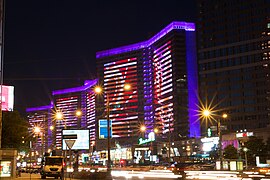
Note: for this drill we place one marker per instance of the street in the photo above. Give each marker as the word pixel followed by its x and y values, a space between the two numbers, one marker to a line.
pixel 27 176
pixel 117 175
pixel 135 175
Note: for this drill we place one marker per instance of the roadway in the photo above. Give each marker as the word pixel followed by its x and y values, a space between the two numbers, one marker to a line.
pixel 167 175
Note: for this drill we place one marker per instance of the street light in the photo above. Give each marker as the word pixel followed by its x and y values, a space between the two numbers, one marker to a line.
pixel 38 131
pixel 98 90
pixel 143 129
pixel 78 115
pixel 245 150
pixel 153 135
pixel 206 113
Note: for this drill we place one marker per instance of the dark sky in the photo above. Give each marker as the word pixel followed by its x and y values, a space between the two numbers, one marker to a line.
pixel 51 44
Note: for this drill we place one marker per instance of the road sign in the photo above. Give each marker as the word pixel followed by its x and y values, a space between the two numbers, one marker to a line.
pixel 103 128
pixel 70 143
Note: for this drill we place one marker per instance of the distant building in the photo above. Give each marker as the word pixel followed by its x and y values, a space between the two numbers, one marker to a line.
pixel 67 102
pixel 162 72
pixel 40 117
pixel 233 56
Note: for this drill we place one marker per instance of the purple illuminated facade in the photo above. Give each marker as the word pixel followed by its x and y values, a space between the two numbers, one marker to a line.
pixel 163 74
pixel 68 101
pixel 40 117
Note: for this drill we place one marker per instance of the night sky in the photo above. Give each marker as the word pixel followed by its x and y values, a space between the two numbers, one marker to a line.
pixel 51 44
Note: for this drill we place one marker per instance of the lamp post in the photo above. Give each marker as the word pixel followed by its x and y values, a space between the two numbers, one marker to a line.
pixel 78 115
pixel 38 131
pixel 155 131
pixel 59 116
pixel 143 129
pixel 245 151
pixel 98 90
pixel 206 113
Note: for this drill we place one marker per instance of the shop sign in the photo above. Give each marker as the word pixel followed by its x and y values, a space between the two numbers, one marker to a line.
pixel 151 138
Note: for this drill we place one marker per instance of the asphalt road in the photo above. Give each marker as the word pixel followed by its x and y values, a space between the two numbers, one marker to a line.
pixel 27 176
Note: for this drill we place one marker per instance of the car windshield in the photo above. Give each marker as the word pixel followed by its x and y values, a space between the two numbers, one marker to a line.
pixel 53 161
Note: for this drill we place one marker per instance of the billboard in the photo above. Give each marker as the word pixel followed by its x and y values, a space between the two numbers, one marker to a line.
pixel 7 98
pixel 209 144
pixel 81 141
pixel 103 128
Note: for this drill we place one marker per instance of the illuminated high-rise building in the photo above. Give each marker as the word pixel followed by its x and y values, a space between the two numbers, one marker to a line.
pixel 162 72
pixel 233 56
pixel 40 117
pixel 68 102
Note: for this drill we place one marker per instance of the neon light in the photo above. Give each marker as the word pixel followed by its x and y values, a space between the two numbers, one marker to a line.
pixel 40 108
pixel 87 85
pixel 121 65
pixel 192 77
pixel 151 138
pixel 174 25
pixel 157 63
pixel 120 61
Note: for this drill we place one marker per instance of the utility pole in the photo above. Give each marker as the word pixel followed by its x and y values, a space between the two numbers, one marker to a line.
pixel 220 145
pixel 2 18
pixel 108 138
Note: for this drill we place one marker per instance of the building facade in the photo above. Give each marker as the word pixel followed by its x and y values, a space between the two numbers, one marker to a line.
pixel 67 102
pixel 233 56
pixel 162 72
pixel 40 117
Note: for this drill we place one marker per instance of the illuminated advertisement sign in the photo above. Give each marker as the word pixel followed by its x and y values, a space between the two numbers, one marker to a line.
pixel 103 129
pixel 5 170
pixel 244 134
pixel 209 143
pixel 7 98
pixel 151 138
pixel 82 141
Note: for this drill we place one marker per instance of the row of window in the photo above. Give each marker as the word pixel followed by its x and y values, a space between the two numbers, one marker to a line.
pixel 229 51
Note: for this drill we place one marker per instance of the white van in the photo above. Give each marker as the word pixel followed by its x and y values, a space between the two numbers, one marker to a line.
pixel 52 166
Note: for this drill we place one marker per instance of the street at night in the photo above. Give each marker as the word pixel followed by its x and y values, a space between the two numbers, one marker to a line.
pixel 135 89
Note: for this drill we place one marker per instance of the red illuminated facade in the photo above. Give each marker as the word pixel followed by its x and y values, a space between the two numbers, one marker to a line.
pixel 162 72
pixel 68 101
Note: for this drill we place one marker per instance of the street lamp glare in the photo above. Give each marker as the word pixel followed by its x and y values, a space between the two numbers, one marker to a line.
pixel 51 128
pixel 37 129
pixel 143 128
pixel 59 115
pixel 155 130
pixel 78 113
pixel 206 113
pixel 98 89
pixel 224 115
pixel 127 87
